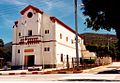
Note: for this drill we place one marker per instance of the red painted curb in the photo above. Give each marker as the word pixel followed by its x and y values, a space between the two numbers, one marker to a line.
pixel 34 72
pixel 77 71
pixel 62 72
pixel 22 73
pixel 11 73
pixel 47 72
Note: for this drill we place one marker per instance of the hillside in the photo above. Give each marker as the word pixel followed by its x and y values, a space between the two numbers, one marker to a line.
pixel 5 52
pixel 99 39
pixel 8 47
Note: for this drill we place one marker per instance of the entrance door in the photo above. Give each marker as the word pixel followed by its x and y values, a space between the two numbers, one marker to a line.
pixel 29 60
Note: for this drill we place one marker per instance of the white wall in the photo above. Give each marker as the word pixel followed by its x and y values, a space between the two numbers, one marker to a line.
pixel 25 24
pixel 62 46
pixel 38 28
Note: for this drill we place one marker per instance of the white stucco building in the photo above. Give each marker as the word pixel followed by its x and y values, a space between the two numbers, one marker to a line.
pixel 40 39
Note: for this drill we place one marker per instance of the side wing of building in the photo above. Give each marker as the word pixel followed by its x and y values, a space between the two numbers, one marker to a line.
pixel 65 43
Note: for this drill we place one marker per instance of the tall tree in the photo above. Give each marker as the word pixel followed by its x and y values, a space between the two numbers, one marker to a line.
pixel 1 43
pixel 103 14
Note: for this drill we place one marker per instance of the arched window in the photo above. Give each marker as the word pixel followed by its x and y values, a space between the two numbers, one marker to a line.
pixel 60 35
pixel 66 39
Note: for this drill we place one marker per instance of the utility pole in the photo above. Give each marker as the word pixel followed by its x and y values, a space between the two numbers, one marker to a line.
pixel 76 28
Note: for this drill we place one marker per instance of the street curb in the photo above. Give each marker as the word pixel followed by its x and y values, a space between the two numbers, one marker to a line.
pixel 47 71
pixel 30 72
pixel 39 72
pixel 22 73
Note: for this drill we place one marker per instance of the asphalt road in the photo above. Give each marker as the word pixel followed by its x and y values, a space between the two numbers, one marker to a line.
pixel 62 77
pixel 101 75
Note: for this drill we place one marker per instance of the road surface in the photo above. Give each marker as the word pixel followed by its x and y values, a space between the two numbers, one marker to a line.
pixel 98 75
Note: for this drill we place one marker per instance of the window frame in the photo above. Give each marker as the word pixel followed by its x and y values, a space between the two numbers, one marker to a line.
pixel 47 31
pixel 72 41
pixel 18 51
pixel 61 57
pixel 19 34
pixel 30 14
pixel 30 33
pixel 60 35
pixel 66 39
pixel 46 49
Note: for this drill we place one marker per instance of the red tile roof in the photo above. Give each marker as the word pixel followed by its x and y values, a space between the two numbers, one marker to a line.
pixel 32 7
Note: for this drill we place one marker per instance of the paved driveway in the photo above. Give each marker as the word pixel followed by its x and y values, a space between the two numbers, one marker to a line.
pixel 113 68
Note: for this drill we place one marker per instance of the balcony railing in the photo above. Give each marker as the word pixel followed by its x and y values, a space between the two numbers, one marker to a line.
pixel 30 39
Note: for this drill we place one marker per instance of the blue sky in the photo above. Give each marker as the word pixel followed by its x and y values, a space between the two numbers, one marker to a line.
pixel 62 9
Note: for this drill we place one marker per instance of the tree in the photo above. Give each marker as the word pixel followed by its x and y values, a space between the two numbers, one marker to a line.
pixel 5 51
pixel 1 48
pixel 103 14
pixel 1 43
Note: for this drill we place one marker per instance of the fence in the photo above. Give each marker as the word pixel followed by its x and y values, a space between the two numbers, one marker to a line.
pixel 89 63
pixel 103 60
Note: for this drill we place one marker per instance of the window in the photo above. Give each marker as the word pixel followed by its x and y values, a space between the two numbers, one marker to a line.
pixel 61 57
pixel 66 39
pixel 72 41
pixel 47 49
pixel 19 34
pixel 60 36
pixel 29 15
pixel 78 40
pixel 46 31
pixel 29 32
pixel 19 51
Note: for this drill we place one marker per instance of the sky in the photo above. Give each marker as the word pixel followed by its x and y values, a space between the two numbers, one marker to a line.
pixel 62 9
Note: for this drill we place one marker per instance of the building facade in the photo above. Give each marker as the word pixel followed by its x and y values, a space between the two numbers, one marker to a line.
pixel 40 39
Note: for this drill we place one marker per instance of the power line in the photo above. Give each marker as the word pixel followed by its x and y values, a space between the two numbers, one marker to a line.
pixel 10 10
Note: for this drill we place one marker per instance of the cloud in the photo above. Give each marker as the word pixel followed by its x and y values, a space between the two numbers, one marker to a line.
pixel 7 23
pixel 59 8
pixel 13 2
pixel 49 5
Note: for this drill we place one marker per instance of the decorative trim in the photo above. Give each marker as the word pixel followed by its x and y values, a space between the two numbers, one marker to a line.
pixel 31 36
pixel 33 42
pixel 29 50
pixel 66 45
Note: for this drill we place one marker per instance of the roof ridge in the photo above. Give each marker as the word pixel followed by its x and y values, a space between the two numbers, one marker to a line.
pixel 34 8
